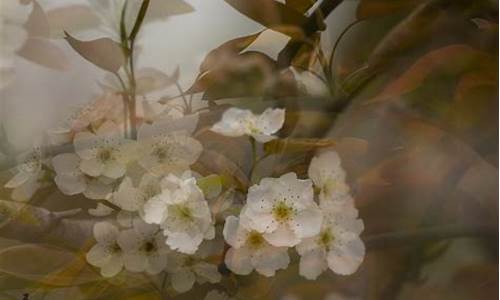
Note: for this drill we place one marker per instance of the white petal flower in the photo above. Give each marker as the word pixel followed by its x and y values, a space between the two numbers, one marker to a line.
pixel 185 270
pixel 105 153
pixel 168 146
pixel 182 213
pixel 29 176
pixel 328 176
pixel 238 122
pixel 337 246
pixel 250 250
pixel 107 254
pixel 71 180
pixel 283 210
pixel 144 248
pixel 132 198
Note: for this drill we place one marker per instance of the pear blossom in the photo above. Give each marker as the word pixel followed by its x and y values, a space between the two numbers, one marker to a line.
pixel 29 176
pixel 182 212
pixel 250 250
pixel 168 146
pixel 328 177
pixel 337 246
pixel 237 122
pixel 144 248
pixel 105 153
pixel 107 254
pixel 131 198
pixel 71 180
pixel 282 209
pixel 185 270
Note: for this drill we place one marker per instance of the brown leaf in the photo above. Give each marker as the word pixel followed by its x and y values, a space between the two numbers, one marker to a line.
pixel 228 49
pixel 104 52
pixel 45 53
pixel 449 59
pixel 296 145
pixel 270 13
pixel 300 5
pixel 378 8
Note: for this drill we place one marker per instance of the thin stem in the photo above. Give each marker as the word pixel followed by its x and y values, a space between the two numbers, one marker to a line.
pixel 125 103
pixel 187 104
pixel 336 45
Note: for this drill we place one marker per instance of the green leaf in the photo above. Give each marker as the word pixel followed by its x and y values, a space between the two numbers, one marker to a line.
pixel 211 185
pixel 272 14
pixel 292 145
pixel 104 52
pixel 46 265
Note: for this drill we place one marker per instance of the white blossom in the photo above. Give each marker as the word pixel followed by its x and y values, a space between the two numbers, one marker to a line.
pixel 107 254
pixel 282 209
pixel 250 250
pixel 237 122
pixel 131 198
pixel 71 180
pixel 182 212
pixel 337 246
pixel 105 153
pixel 144 248
pixel 328 177
pixel 185 270
pixel 167 145
pixel 29 176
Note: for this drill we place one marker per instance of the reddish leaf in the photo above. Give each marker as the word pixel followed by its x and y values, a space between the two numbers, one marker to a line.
pixel 38 24
pixel 378 8
pixel 71 18
pixel 450 59
pixel 45 53
pixel 228 49
pixel 104 52
pixel 270 13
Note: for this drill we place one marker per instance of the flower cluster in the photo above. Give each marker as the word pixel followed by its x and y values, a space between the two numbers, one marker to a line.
pixel 284 212
pixel 165 219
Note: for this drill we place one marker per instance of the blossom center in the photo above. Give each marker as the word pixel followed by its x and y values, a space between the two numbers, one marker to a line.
pixel 282 212
pixel 326 238
pixel 255 240
pixel 183 212
pixel 149 247
pixel 105 155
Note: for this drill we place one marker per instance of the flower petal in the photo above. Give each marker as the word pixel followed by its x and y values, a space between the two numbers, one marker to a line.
pixel 182 281
pixel 239 261
pixel 313 263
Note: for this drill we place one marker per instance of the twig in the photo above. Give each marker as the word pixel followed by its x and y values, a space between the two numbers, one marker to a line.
pixel 434 233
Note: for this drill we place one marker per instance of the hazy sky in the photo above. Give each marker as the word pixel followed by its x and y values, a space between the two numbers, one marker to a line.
pixel 41 98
